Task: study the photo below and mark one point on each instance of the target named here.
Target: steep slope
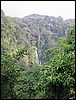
(37, 32)
(37, 58)
(45, 30)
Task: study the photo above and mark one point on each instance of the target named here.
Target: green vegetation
(21, 76)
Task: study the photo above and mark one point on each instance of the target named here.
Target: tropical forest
(37, 57)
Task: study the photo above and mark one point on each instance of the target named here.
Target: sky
(65, 9)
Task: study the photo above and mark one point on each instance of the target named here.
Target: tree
(10, 70)
(57, 79)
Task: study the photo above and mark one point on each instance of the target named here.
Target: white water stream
(37, 59)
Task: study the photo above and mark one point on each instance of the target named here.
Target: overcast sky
(65, 9)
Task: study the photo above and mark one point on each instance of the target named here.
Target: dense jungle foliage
(52, 41)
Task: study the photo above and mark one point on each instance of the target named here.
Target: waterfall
(37, 59)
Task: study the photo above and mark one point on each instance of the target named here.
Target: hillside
(35, 30)
(37, 57)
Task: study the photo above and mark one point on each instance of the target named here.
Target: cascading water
(37, 59)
